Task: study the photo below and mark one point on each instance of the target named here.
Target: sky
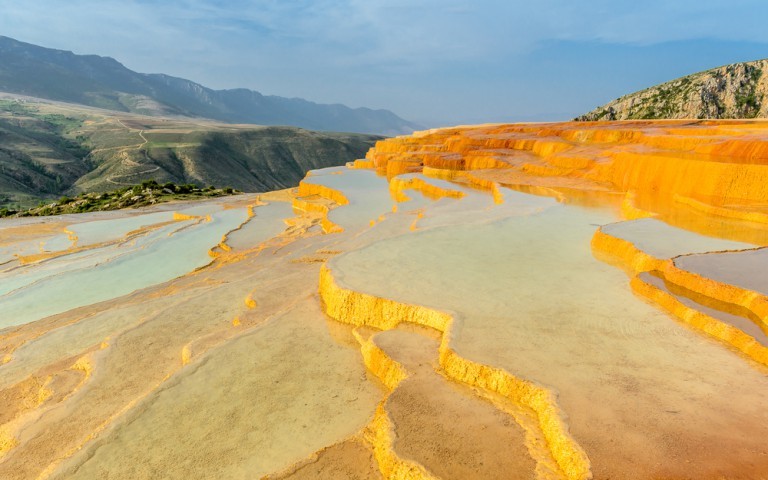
(434, 62)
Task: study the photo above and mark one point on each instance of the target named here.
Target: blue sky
(435, 62)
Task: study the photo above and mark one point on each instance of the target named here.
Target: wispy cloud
(373, 52)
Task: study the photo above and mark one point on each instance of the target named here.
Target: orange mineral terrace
(528, 301)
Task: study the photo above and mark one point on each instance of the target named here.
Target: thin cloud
(378, 53)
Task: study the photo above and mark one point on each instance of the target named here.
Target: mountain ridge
(104, 82)
(731, 91)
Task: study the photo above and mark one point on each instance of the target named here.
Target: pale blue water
(662, 240)
(266, 223)
(368, 195)
(162, 255)
(89, 233)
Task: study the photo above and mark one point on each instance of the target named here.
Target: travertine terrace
(533, 301)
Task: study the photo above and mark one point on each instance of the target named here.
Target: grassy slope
(51, 149)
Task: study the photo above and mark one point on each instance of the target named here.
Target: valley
(50, 149)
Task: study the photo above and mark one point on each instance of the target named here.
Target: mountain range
(104, 82)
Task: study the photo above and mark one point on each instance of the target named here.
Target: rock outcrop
(731, 91)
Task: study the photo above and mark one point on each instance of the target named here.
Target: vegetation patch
(747, 101)
(147, 193)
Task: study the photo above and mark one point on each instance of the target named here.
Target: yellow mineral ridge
(398, 185)
(636, 261)
(319, 199)
(357, 308)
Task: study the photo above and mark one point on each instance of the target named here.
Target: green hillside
(50, 149)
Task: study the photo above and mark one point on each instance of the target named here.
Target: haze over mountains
(731, 91)
(104, 82)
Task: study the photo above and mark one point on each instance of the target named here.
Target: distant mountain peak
(104, 82)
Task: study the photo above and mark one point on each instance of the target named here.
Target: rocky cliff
(731, 91)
